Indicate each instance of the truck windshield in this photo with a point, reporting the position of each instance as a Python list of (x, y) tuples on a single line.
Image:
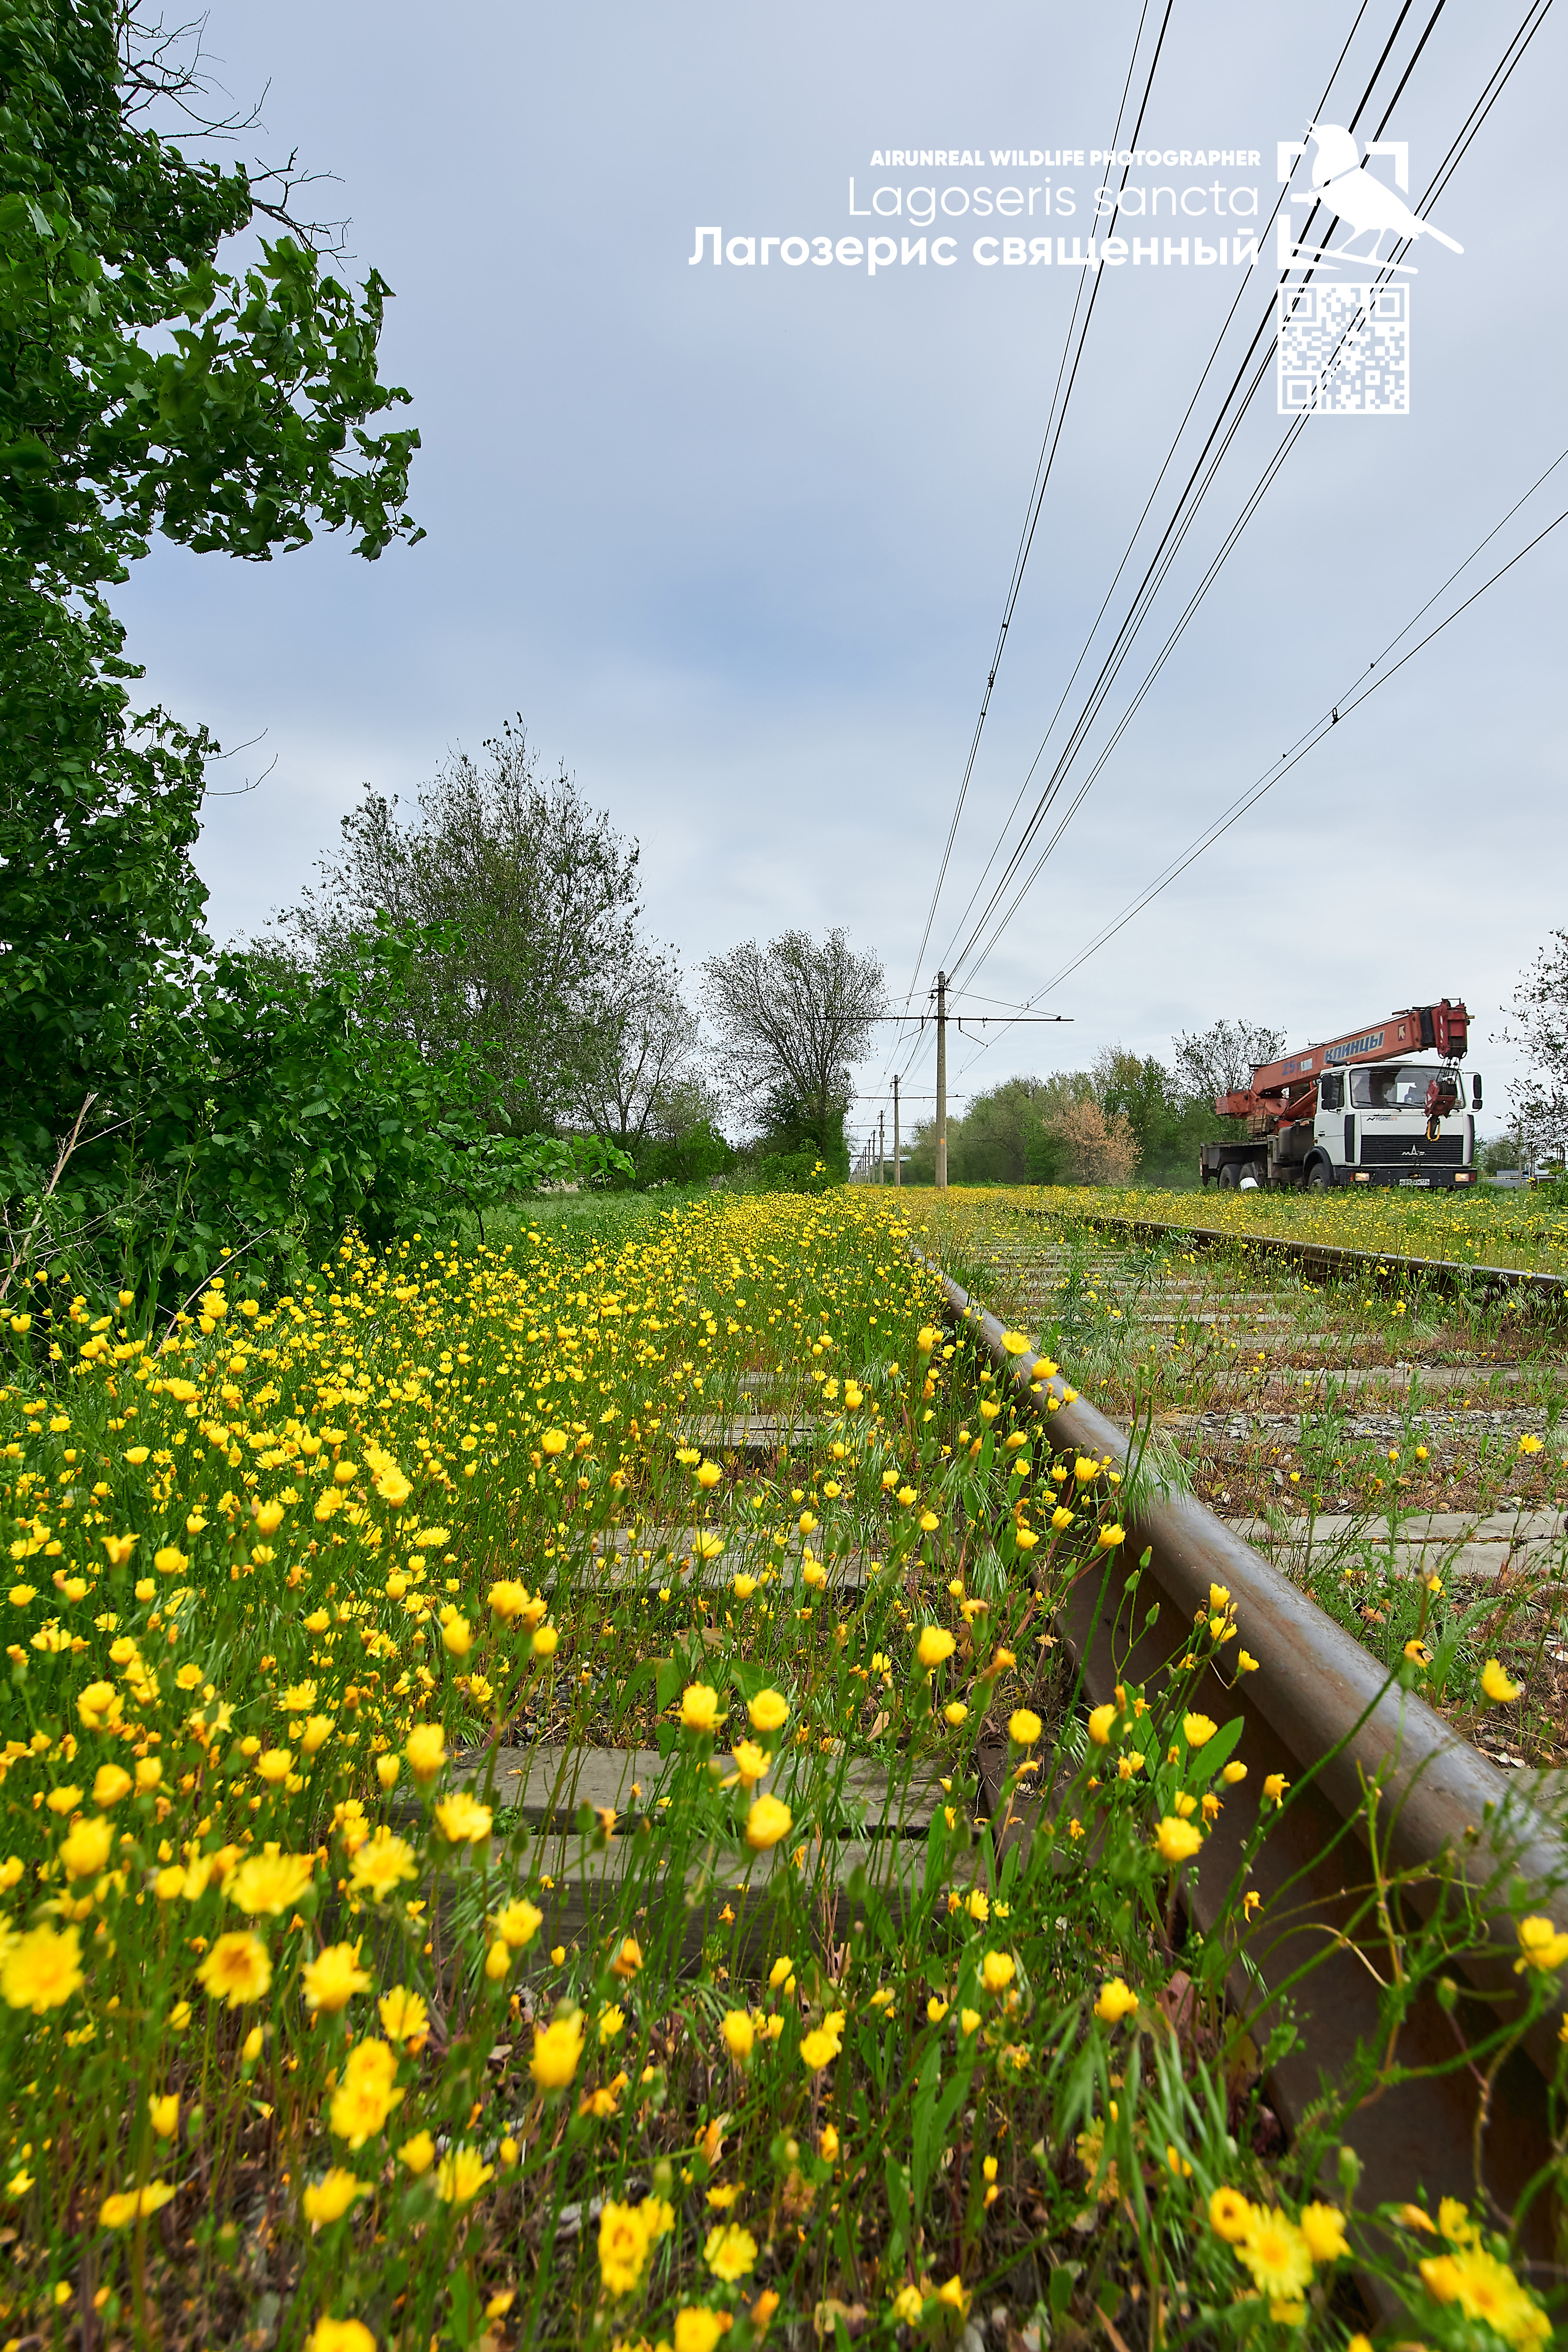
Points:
[(1399, 1088)]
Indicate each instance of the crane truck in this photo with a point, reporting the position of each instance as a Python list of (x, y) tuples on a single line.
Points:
[(1361, 1110)]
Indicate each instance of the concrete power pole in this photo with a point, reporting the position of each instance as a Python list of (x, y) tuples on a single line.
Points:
[(941, 1082), (898, 1169), (881, 1147)]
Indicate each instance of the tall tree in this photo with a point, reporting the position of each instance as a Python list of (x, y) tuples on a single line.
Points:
[(142, 389), (534, 894), (1218, 1060), (790, 1018), (1540, 1021), (638, 1058)]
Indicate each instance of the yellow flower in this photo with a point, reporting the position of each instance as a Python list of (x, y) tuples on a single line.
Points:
[(767, 1822), (730, 2252), (1494, 1682), (767, 1710), (997, 1970), (237, 1970), (404, 2016), (546, 1642), (367, 2092), (954, 1712), (935, 1644), (554, 1441), (1024, 1727), (86, 1850), (100, 1705), (954, 2295), (1487, 2290), (383, 1863), (1323, 2227), (519, 1923), (739, 2033), (418, 2153), (819, 2048), (908, 2305), (165, 2112), (1275, 1786), (1541, 1945), (426, 1748), (1229, 2215), (392, 1487), (1276, 2252), (274, 1764), (1197, 1730), (462, 2174), (271, 1882), (111, 1783), (697, 2330), (750, 1762), (1108, 1537), (41, 1970), (334, 1976), (936, 2009), (1101, 1722), (1116, 2000), (624, 2241), (1177, 1840), (462, 1820), (699, 1707), (115, 2212), (331, 2335), (557, 2048), (329, 2198), (457, 1635)]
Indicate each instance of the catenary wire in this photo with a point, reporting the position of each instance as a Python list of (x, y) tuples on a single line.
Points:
[(1496, 82)]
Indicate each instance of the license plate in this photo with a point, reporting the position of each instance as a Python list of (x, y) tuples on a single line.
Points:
[(1407, 1183)]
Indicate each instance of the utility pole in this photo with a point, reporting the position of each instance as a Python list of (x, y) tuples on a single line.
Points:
[(897, 1170), (881, 1147), (941, 1082)]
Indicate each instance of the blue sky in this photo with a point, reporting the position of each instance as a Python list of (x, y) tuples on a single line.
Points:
[(736, 541)]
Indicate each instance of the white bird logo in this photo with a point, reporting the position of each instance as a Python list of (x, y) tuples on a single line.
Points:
[(1352, 194)]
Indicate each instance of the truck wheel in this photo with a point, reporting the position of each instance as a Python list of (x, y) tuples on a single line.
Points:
[(1319, 1177), (1229, 1177)]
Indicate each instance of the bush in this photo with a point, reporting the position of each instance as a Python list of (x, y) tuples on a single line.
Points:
[(698, 1152)]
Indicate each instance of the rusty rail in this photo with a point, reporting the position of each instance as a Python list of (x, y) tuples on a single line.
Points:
[(1318, 1694), (1330, 1260)]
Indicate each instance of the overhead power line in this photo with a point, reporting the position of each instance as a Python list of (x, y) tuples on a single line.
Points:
[(1055, 420), (1199, 480)]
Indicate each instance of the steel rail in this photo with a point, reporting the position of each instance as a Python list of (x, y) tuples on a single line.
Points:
[(1320, 1711), (1330, 1258)]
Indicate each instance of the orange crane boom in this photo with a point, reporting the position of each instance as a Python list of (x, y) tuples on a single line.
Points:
[(1287, 1090)]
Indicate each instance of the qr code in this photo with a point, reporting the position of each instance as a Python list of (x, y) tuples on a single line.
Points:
[(1344, 349)]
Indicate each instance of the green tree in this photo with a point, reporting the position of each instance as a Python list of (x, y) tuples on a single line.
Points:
[(531, 894), (142, 389), (791, 1019)]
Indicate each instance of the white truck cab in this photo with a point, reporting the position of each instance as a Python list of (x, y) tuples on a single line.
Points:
[(1392, 1123)]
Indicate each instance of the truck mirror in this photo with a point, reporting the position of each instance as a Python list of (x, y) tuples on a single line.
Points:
[(1476, 1091)]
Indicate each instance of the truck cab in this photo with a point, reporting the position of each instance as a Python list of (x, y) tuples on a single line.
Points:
[(1392, 1123)]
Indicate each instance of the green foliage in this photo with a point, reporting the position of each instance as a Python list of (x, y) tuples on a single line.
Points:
[(142, 389), (698, 1152), (528, 899), (259, 1120)]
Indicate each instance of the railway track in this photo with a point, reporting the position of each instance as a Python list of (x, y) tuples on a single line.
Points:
[(1329, 1262), (1321, 1710)]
